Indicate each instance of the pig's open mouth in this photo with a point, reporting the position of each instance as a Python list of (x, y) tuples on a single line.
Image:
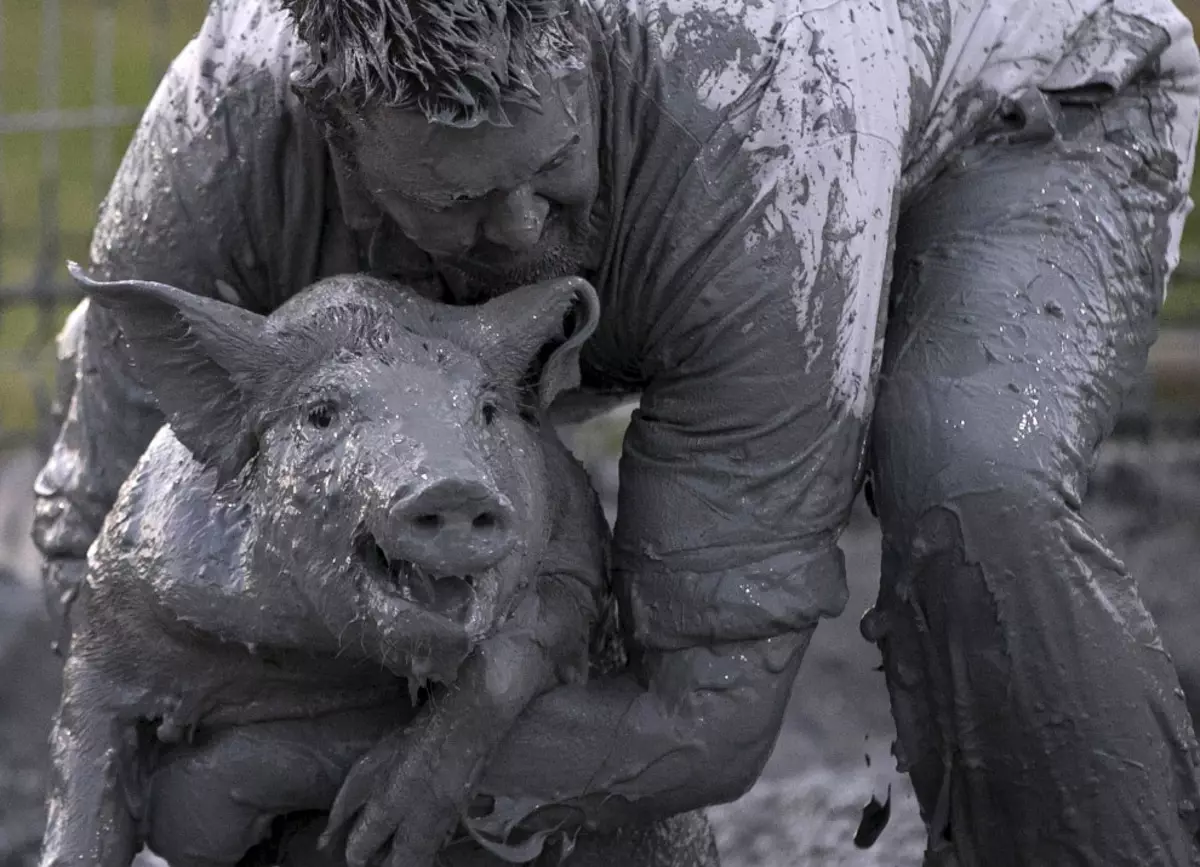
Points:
[(450, 596)]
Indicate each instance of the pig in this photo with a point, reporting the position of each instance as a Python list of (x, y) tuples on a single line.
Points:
[(356, 501)]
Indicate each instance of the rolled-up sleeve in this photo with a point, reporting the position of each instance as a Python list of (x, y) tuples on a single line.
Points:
[(738, 472), (760, 317)]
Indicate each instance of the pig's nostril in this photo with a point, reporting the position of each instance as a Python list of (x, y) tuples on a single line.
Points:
[(428, 523), (452, 527)]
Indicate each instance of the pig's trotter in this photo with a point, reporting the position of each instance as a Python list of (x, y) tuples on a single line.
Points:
[(89, 819)]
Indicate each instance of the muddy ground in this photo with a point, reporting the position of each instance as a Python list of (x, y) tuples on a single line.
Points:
[(807, 805)]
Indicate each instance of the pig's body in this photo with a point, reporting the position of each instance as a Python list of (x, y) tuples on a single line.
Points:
[(230, 595), (187, 631)]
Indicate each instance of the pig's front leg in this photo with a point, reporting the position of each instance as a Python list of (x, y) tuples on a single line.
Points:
[(89, 819), (414, 786)]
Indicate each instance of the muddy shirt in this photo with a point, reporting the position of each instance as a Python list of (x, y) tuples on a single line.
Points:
[(756, 159)]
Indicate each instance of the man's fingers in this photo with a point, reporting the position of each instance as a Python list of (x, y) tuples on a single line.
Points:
[(400, 801), (370, 834), (413, 818), (354, 793), (408, 855), (364, 780), (420, 832)]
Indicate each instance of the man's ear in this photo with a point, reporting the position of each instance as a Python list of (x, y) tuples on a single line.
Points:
[(536, 333), (202, 359)]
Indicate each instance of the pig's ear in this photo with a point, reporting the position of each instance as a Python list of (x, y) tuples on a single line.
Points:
[(200, 358), (537, 332)]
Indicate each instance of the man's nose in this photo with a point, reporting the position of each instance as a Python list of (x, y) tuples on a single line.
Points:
[(515, 219)]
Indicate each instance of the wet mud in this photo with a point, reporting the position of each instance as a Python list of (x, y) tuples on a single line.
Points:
[(833, 754)]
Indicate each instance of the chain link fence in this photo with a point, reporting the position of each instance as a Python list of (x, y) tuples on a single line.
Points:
[(74, 78)]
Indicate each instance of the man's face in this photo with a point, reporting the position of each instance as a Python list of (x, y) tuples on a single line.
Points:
[(502, 206)]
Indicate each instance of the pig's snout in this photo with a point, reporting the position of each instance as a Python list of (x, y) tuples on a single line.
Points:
[(453, 527)]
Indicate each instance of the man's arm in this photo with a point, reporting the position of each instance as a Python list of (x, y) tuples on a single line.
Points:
[(193, 204), (622, 750), (735, 481), (757, 310)]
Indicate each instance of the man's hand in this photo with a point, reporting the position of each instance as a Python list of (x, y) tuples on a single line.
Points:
[(408, 789), (413, 787)]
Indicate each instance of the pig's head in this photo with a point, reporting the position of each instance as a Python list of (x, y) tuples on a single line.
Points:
[(389, 446)]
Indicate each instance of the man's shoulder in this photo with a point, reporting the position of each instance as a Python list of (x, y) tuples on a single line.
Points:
[(245, 50), (748, 134), (790, 73), (718, 39), (224, 164)]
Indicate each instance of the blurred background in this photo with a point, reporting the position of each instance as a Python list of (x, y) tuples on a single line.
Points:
[(74, 77)]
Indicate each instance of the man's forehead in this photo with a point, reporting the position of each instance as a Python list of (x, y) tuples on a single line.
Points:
[(419, 152)]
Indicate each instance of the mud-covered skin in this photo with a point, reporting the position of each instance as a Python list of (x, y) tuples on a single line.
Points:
[(758, 163), (229, 588)]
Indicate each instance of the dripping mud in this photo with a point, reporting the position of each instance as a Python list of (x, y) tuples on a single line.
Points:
[(832, 759)]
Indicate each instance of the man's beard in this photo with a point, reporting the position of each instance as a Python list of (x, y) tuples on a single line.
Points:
[(568, 252)]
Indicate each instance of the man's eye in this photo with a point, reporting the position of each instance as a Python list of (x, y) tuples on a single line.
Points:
[(557, 162)]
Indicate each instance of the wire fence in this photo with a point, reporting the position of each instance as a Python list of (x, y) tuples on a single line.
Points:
[(74, 78)]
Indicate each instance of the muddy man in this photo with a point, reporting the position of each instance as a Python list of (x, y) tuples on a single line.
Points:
[(915, 243)]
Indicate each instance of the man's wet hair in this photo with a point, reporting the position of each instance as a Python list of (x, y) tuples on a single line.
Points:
[(458, 62)]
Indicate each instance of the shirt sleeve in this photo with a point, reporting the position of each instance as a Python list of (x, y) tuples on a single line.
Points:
[(758, 307), (198, 202)]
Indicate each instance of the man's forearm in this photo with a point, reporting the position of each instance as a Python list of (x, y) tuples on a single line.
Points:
[(614, 751)]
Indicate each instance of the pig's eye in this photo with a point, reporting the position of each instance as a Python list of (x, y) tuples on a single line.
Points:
[(489, 411), (322, 415)]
